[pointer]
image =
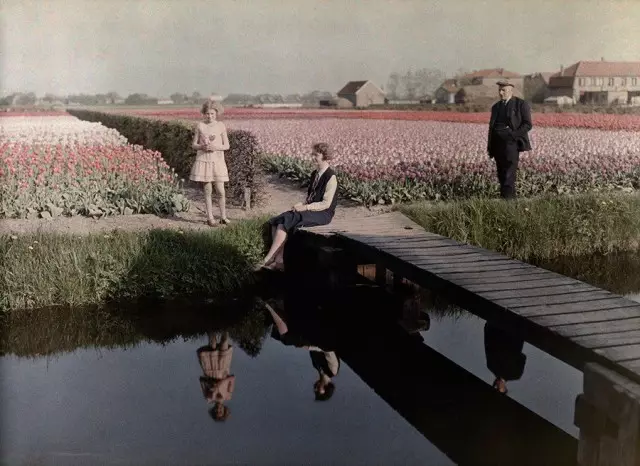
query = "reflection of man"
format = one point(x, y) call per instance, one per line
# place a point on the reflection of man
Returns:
point(504, 356)
point(217, 383)
point(509, 126)
point(325, 362)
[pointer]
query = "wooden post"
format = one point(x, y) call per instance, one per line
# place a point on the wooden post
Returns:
point(381, 275)
point(337, 266)
point(247, 198)
point(608, 415)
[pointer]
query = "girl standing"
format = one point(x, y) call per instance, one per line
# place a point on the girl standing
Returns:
point(210, 140)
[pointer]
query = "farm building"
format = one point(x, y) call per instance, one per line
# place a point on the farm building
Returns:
point(362, 93)
point(598, 82)
point(449, 91)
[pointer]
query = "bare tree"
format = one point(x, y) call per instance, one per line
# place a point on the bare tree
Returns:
point(392, 85)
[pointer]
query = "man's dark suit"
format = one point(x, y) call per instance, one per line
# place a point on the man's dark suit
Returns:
point(508, 136)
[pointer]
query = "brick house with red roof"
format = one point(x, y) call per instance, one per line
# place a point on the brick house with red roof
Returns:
point(598, 82)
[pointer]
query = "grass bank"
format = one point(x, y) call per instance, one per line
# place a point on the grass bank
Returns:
point(537, 228)
point(49, 270)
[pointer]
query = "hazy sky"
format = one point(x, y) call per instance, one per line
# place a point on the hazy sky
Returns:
point(287, 46)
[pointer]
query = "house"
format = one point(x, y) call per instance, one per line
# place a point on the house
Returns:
point(362, 93)
point(449, 91)
point(536, 86)
point(164, 101)
point(491, 76)
point(446, 93)
point(598, 82)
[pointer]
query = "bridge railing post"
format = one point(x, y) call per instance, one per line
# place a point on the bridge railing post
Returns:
point(608, 415)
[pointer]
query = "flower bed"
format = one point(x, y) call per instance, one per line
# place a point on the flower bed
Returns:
point(52, 166)
point(392, 161)
point(562, 120)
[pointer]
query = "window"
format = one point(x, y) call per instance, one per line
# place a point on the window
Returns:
point(581, 82)
point(634, 82)
point(611, 81)
point(623, 81)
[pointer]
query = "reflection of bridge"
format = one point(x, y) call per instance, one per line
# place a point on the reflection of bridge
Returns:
point(594, 330)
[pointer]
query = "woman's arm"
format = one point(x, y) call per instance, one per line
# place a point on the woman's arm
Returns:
point(327, 199)
point(225, 139)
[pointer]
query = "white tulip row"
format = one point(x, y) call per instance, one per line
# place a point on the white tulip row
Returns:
point(57, 130)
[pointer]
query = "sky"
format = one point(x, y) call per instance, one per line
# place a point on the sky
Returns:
point(160, 47)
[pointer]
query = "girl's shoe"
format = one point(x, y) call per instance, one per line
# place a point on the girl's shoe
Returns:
point(225, 221)
point(211, 222)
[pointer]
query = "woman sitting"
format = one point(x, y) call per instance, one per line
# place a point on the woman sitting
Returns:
point(318, 209)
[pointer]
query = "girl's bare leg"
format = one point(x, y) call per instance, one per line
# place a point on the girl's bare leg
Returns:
point(208, 202)
point(280, 324)
point(222, 201)
point(279, 239)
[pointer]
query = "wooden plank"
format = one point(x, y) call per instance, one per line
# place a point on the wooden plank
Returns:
point(565, 298)
point(495, 276)
point(477, 267)
point(450, 260)
point(584, 317)
point(611, 339)
point(437, 252)
point(534, 292)
point(568, 308)
point(399, 247)
point(479, 279)
point(374, 240)
point(620, 353)
point(632, 365)
point(574, 330)
point(524, 284)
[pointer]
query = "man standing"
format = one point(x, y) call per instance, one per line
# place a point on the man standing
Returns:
point(508, 136)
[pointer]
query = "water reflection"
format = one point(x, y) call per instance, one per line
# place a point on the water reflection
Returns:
point(503, 352)
point(324, 359)
point(217, 383)
point(389, 397)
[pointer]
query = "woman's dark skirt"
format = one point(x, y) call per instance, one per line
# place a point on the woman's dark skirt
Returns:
point(291, 220)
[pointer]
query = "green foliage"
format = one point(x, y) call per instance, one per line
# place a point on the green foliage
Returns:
point(537, 228)
point(173, 140)
point(45, 270)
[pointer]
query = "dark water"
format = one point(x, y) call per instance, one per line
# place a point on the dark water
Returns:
point(122, 386)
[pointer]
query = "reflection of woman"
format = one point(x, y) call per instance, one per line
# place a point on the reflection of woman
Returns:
point(318, 208)
point(325, 362)
point(504, 356)
point(217, 383)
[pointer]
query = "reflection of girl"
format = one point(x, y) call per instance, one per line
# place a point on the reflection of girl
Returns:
point(504, 356)
point(326, 363)
point(217, 383)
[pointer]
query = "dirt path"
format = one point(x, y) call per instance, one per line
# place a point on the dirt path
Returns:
point(281, 195)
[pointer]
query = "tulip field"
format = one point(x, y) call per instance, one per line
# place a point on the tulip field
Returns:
point(394, 161)
point(59, 165)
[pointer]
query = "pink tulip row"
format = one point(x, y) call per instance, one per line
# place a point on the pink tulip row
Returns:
point(562, 120)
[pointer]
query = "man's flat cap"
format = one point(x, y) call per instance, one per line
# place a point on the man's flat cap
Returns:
point(504, 83)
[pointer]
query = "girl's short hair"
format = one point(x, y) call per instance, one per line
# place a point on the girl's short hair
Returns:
point(211, 104)
point(323, 149)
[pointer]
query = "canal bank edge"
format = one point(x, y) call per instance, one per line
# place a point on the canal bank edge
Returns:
point(40, 270)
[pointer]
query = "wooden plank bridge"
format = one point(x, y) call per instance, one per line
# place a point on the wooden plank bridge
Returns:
point(569, 319)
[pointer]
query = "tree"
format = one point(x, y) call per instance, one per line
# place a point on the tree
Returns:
point(392, 85)
point(112, 97)
point(179, 97)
